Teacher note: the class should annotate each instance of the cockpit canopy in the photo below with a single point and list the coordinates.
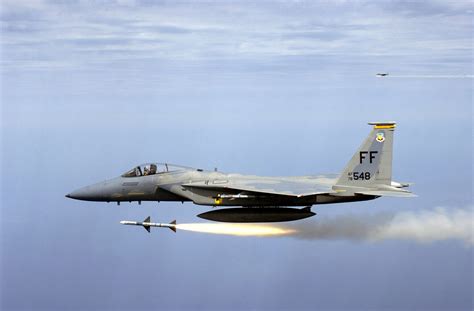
(152, 169)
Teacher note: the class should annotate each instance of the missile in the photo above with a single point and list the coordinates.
(147, 224)
(234, 196)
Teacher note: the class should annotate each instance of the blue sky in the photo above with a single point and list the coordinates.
(90, 89)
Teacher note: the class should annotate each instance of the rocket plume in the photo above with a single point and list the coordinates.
(236, 229)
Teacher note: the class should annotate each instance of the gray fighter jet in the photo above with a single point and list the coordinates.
(367, 176)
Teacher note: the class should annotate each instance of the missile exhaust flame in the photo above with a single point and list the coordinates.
(237, 229)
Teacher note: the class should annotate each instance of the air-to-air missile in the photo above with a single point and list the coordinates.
(147, 224)
(249, 214)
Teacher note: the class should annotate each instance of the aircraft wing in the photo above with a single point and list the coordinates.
(290, 188)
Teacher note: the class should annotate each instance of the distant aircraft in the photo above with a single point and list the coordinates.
(383, 74)
(367, 176)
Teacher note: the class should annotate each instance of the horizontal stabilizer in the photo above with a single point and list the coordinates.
(382, 193)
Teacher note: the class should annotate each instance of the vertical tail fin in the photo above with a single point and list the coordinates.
(372, 163)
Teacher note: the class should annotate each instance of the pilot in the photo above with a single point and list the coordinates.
(152, 169)
(146, 171)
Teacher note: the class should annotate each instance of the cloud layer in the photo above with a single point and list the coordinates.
(85, 35)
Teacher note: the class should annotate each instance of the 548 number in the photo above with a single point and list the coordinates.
(360, 175)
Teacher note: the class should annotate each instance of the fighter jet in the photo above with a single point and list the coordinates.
(367, 176)
(383, 74)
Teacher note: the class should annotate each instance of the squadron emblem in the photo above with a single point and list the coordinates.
(380, 137)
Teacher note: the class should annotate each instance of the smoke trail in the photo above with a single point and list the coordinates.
(431, 76)
(426, 226)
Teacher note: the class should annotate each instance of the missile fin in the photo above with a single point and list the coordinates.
(173, 227)
(147, 228)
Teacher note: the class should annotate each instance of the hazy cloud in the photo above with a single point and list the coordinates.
(40, 31)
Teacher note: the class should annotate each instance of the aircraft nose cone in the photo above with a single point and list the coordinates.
(89, 193)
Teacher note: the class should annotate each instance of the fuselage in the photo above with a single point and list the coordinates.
(168, 186)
